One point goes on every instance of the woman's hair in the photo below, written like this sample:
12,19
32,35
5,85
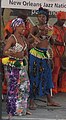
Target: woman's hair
23,16
44,11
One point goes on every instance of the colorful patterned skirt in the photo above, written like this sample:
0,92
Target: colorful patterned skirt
18,87
40,73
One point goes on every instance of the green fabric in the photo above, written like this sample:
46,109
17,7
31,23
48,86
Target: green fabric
17,63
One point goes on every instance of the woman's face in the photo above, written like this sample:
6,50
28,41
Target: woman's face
61,22
42,18
21,28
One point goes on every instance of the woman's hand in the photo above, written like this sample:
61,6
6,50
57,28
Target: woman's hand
8,53
35,38
14,54
36,41
18,54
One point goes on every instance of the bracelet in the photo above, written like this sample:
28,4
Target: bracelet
64,44
6,52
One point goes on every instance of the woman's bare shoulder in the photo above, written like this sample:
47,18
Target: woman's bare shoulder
11,39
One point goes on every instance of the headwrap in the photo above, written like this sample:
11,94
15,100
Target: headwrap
43,11
8,28
16,22
61,15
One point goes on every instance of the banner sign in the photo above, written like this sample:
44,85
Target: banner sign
52,5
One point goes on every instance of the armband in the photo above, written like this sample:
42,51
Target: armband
6,52
64,43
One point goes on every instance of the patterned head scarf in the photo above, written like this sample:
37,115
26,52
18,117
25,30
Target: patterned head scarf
43,11
61,15
16,22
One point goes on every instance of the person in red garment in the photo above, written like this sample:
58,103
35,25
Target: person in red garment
59,43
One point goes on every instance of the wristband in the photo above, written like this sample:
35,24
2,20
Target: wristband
64,44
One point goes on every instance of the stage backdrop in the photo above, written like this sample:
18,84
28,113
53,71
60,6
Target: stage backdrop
52,5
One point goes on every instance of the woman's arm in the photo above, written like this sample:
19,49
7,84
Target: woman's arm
33,40
8,50
8,45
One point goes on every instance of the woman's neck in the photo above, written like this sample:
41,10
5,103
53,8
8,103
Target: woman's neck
17,34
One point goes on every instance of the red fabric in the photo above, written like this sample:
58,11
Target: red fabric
63,83
27,30
4,88
8,27
57,62
61,15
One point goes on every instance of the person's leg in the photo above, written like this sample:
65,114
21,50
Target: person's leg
9,116
50,101
32,76
49,85
13,74
32,105
28,112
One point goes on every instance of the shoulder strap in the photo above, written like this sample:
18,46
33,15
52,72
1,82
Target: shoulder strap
14,37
